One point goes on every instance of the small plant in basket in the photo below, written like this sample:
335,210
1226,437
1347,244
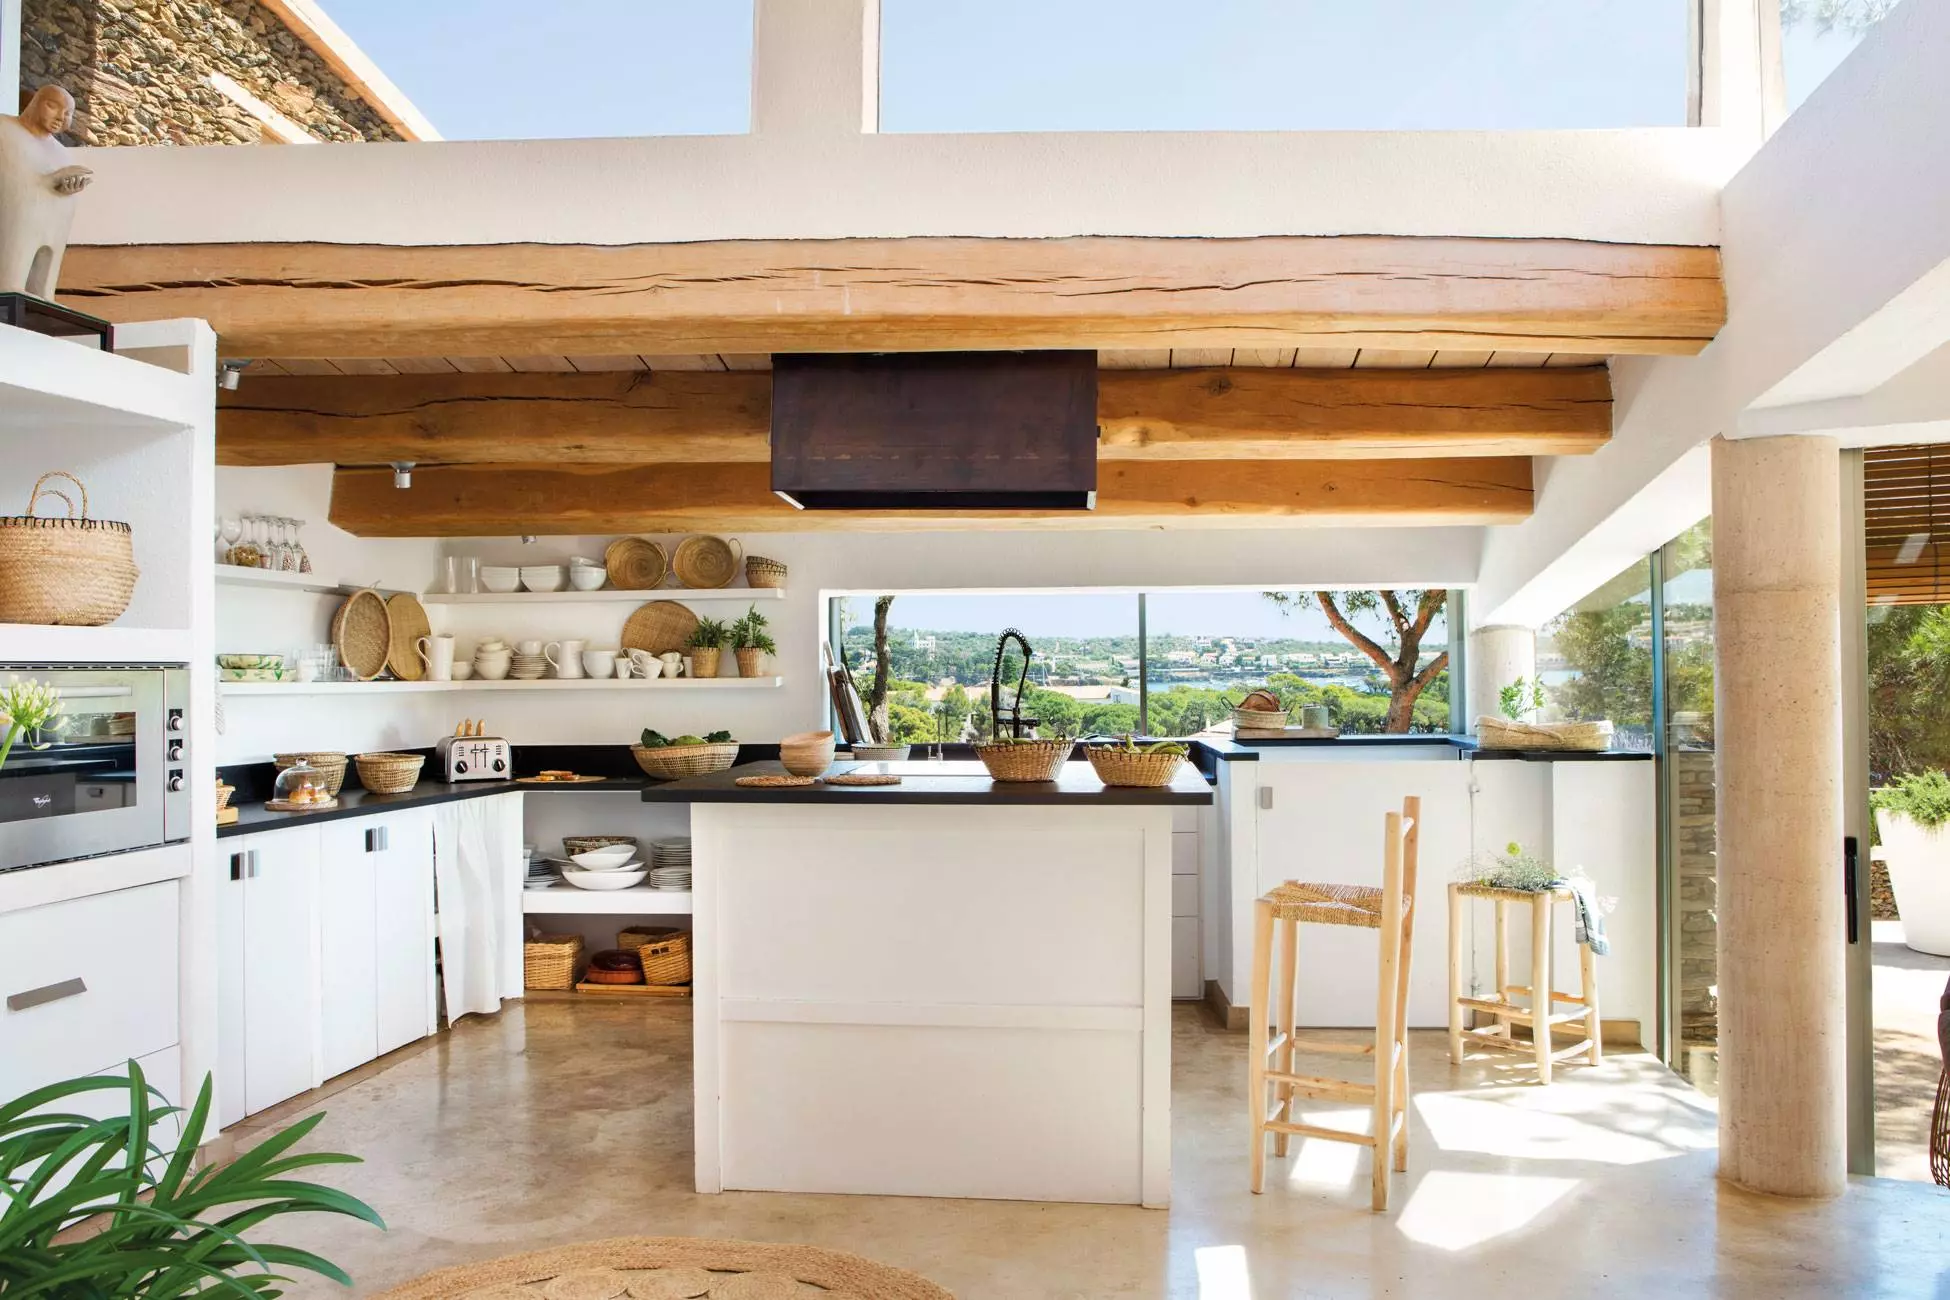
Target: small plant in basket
752,642
708,641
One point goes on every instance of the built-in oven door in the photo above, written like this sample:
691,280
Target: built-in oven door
93,781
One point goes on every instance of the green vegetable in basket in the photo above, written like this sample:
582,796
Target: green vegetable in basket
718,738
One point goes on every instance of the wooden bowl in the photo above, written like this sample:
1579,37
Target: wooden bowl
809,753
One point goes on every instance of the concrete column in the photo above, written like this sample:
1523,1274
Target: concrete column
10,36
1778,727
1498,656
815,67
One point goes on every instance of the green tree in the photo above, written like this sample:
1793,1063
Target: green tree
1410,615
1613,667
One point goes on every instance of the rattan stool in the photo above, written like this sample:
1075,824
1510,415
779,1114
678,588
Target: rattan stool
1388,910
1509,1013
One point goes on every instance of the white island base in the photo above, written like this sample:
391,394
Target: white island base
934,1000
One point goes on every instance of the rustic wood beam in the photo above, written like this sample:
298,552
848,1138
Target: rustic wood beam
668,417
1355,291
471,500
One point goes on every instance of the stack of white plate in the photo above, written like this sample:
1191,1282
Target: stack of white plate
528,668
538,872
670,863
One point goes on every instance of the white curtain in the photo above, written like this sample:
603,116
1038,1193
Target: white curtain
477,866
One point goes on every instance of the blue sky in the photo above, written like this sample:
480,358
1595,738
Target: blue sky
1231,613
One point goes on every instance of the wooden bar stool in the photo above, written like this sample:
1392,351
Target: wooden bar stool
1389,910
1501,1006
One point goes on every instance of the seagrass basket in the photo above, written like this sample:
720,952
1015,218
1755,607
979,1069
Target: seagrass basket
549,961
330,764
1027,760
77,571
673,762
389,773
1117,766
763,573
1501,733
664,952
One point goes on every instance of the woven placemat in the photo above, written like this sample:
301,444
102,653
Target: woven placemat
362,634
863,778
407,622
635,564
705,561
773,782
659,627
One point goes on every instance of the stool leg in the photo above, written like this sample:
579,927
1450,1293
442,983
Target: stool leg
1285,1000
1540,982
1384,1065
1256,1049
1502,957
1588,989
1401,1048
1455,975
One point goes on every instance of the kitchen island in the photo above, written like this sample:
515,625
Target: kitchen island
946,987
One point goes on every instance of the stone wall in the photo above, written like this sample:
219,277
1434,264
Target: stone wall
140,72
1697,868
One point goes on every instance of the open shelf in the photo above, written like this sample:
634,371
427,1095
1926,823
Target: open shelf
49,384
679,594
29,643
634,684
232,575
567,900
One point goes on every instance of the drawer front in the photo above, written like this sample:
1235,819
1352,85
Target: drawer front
1184,896
1184,854
1184,818
1185,982
87,984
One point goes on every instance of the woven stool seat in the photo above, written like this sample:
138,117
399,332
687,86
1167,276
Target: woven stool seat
1473,890
1324,904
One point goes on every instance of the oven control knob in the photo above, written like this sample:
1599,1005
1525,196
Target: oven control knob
175,751
175,722
176,783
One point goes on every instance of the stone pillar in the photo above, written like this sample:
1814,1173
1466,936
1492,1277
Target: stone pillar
815,67
10,38
1777,686
1498,656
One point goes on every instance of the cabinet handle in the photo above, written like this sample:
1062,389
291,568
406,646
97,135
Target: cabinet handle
237,865
45,994
376,839
253,862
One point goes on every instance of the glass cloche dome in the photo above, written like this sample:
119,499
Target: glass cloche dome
302,784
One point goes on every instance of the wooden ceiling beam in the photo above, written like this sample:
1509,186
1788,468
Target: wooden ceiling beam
674,417
924,294
481,500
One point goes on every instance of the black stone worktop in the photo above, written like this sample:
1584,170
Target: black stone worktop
955,783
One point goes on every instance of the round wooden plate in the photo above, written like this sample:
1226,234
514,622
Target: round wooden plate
362,632
659,627
556,780
406,621
635,564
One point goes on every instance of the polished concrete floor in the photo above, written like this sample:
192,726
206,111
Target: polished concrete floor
561,1121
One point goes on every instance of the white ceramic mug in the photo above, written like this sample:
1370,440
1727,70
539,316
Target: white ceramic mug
673,663
532,648
599,663
570,664
623,667
647,665
437,653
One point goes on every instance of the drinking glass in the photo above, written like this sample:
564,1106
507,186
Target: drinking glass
231,529
261,535
450,575
298,545
470,574
283,558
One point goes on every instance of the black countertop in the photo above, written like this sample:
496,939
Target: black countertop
1233,751
958,783
253,817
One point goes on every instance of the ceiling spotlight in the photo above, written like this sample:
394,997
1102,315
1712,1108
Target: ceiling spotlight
402,473
231,373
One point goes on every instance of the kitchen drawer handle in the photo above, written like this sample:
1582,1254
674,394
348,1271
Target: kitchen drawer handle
45,994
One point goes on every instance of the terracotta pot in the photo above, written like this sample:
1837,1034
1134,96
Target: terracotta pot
704,663
750,662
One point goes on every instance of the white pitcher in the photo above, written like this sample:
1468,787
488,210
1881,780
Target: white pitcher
437,654
570,663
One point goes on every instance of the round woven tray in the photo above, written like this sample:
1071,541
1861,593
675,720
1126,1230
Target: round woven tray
705,561
659,627
773,782
406,623
77,571
574,844
863,778
1121,767
635,564
362,634
673,762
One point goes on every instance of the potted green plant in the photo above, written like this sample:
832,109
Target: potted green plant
751,642
1910,819
167,1228
708,640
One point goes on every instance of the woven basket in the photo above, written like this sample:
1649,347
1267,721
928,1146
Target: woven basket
574,844
76,571
1122,767
389,773
675,761
1501,733
329,764
705,562
362,631
763,573
223,795
1259,719
751,662
635,563
665,953
704,661
1031,760
549,961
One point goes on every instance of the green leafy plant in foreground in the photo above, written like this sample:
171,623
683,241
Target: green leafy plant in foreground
1923,797
1521,698
167,1229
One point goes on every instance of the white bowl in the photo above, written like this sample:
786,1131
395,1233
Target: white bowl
463,670
583,578
543,577
491,670
500,579
603,879
609,856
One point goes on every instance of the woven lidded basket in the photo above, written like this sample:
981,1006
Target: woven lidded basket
673,762
1117,766
549,961
763,572
1029,760
664,952
389,773
574,844
1501,733
75,571
331,766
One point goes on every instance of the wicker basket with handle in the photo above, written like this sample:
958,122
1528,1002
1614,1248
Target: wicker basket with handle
77,571
1501,733
389,773
1025,760
664,952
330,764
549,961
673,762
1115,765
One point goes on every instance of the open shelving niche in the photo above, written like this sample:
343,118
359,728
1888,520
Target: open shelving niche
640,900
508,686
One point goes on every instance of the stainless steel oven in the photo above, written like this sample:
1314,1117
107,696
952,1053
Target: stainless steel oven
108,775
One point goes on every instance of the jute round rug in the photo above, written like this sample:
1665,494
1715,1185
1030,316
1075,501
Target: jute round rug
674,1268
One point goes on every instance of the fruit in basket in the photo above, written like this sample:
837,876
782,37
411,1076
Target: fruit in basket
688,740
654,739
1261,702
718,738
1129,745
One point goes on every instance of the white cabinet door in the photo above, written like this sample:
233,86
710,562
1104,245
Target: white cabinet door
348,858
404,915
280,966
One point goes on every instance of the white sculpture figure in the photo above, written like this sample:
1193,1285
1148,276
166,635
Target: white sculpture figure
37,193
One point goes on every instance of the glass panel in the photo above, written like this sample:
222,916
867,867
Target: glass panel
83,762
1203,649
1294,65
452,69
1691,800
1816,35
1595,659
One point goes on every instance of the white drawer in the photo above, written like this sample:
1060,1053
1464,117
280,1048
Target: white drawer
1184,817
1184,853
1184,895
122,947
1185,981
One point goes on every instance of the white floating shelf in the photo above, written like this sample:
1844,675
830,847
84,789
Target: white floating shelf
231,575
633,685
48,384
566,900
679,594
28,643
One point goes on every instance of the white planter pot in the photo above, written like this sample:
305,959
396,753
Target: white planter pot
1919,872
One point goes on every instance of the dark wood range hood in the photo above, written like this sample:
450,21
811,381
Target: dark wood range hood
935,430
